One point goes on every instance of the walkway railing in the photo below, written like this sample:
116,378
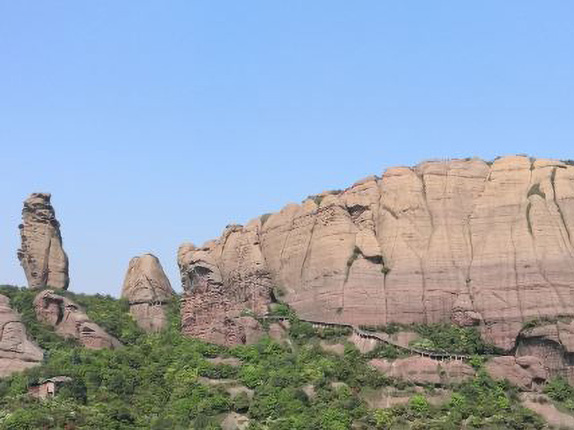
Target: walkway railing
380,337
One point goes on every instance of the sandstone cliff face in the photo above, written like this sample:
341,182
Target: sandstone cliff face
17,352
222,282
41,255
70,321
460,240
148,291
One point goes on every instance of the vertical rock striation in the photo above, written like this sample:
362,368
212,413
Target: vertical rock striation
41,254
17,352
148,291
476,243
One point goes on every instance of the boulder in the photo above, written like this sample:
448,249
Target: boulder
424,371
544,407
235,421
70,321
41,253
332,348
527,373
227,361
363,344
279,332
148,291
17,351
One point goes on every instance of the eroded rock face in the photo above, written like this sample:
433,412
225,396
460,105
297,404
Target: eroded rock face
41,254
462,240
17,351
527,373
553,344
148,291
216,302
424,370
70,321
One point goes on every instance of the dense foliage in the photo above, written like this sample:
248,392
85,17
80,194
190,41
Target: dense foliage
158,381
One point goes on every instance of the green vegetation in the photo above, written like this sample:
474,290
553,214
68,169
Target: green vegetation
542,321
536,191
441,338
451,338
264,218
157,381
560,391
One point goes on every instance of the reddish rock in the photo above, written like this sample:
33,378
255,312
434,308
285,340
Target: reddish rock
363,344
333,348
544,407
457,371
70,321
17,351
279,333
527,373
424,370
215,301
148,291
41,254
552,344
459,240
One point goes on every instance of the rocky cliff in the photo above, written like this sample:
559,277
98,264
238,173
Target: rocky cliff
466,241
148,291
17,351
41,254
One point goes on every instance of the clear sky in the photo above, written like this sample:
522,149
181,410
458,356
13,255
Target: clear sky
154,123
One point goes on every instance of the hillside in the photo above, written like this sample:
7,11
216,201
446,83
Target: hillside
433,297
296,377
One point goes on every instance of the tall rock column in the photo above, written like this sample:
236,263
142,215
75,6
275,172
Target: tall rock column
148,290
41,254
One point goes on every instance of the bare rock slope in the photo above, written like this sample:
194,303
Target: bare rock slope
148,291
472,242
70,321
17,351
41,254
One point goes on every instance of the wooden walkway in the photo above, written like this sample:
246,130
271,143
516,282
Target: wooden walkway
380,337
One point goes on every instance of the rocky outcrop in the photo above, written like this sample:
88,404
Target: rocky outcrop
235,421
476,243
553,344
17,351
41,254
217,303
148,291
424,371
527,373
70,321
544,407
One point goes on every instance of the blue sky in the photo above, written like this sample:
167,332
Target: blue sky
155,123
